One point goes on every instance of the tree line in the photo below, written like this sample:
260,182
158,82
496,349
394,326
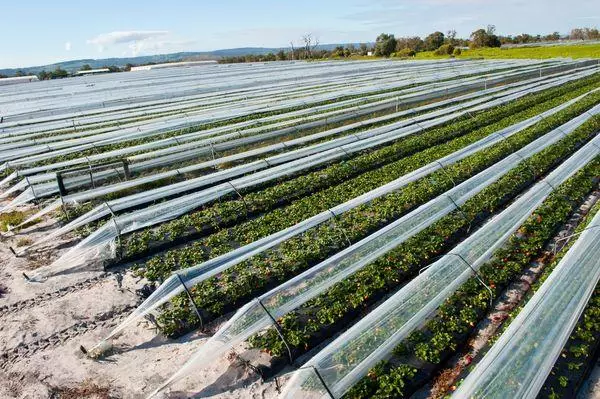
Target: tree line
387,45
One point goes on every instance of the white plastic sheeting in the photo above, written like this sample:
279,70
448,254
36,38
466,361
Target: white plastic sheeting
212,92
38,133
347,261
102,244
205,147
95,124
519,362
168,125
118,205
349,357
448,87
90,96
174,142
35,191
24,155
252,318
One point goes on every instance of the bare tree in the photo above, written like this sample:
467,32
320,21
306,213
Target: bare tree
292,52
310,44
451,36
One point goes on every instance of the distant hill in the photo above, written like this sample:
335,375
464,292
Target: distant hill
75,65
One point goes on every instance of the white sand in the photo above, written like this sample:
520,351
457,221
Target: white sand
142,359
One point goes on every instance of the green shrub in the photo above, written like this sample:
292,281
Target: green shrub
11,219
406,52
446,49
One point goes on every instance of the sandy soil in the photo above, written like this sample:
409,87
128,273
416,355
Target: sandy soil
40,341
591,388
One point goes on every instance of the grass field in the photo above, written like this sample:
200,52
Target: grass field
575,51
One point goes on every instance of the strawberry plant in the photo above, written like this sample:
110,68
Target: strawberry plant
217,216
342,301
449,327
249,278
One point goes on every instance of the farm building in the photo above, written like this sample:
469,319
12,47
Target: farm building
93,71
18,79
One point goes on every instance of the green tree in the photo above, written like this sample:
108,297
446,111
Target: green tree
412,43
349,50
451,37
44,75
434,41
524,38
385,45
338,51
485,38
555,36
478,38
577,34
364,49
59,73
86,67
406,52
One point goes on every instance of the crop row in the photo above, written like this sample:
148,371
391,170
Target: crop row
253,276
253,116
345,180
425,349
291,132
324,315
223,241
322,189
578,354
76,210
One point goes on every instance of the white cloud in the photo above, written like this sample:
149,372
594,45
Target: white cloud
117,37
140,42
68,46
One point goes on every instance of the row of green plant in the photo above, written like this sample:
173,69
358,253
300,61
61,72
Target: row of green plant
425,349
72,211
251,116
253,276
76,210
244,118
581,351
232,211
118,121
578,354
344,302
322,189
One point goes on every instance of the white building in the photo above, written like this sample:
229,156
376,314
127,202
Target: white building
93,71
18,79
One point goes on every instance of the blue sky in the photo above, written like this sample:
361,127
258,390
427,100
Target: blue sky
38,32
